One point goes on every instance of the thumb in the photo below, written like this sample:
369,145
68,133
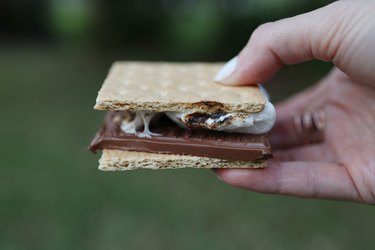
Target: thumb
314,35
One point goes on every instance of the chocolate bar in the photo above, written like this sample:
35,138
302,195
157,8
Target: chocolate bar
172,139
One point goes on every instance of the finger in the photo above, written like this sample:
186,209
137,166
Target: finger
284,133
317,153
301,179
288,41
299,128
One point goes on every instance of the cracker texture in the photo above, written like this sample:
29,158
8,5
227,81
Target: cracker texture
182,87
118,160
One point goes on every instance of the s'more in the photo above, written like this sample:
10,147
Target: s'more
174,115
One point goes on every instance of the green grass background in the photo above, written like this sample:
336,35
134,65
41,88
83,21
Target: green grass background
53,197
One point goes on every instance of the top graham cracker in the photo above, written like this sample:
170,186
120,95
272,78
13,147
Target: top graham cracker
182,87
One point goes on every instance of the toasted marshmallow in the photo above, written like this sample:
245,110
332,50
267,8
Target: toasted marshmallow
250,123
235,122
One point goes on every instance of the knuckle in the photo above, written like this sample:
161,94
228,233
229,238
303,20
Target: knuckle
263,29
263,34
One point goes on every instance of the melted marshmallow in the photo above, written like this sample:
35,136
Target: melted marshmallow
249,123
236,122
142,119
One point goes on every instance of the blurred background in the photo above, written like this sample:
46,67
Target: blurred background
54,55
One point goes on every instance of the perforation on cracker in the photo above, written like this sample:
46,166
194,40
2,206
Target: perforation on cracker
183,87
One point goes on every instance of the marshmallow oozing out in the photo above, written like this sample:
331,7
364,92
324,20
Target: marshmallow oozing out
142,119
235,122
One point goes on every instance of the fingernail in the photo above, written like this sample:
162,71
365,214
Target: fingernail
217,173
219,177
224,75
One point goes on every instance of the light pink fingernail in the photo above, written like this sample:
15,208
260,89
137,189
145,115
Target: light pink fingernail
224,75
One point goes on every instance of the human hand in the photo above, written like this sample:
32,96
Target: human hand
343,166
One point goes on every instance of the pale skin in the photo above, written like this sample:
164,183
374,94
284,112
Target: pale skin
343,166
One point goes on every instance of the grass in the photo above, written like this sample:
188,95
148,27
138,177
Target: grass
53,197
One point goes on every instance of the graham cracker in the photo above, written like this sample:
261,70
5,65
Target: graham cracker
182,87
118,160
